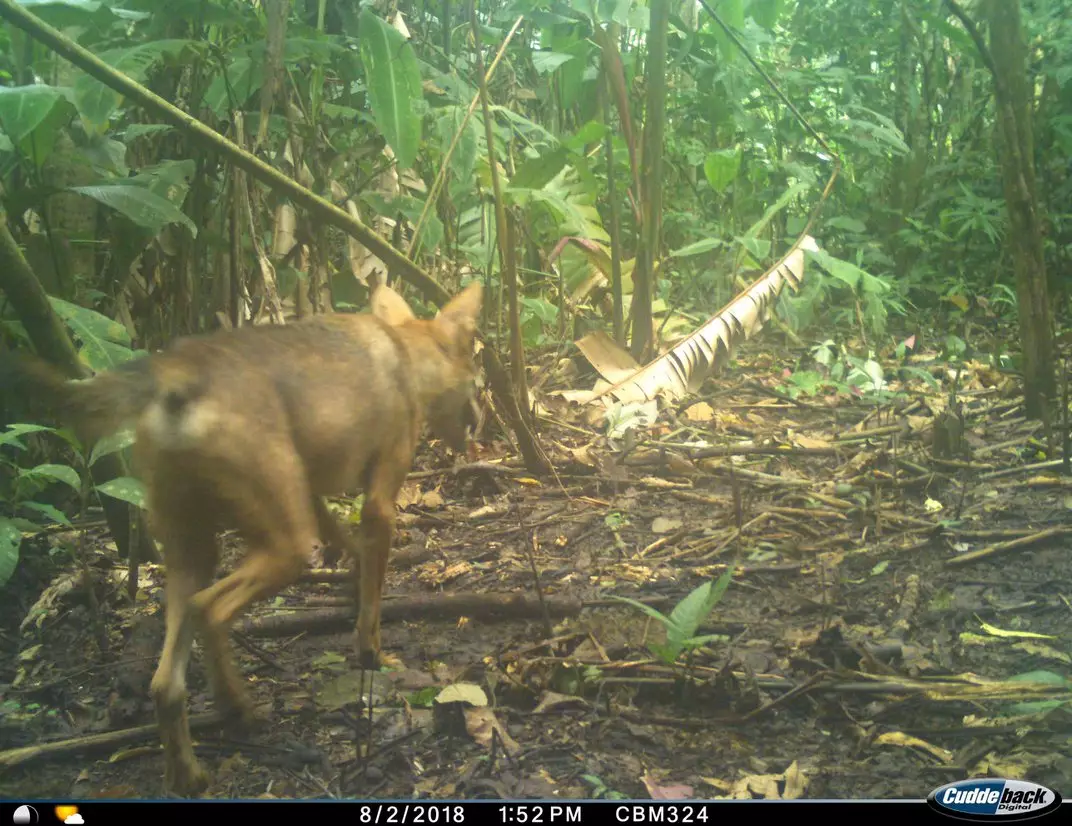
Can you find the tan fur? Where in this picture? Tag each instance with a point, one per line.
(248, 430)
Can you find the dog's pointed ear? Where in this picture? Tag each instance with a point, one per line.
(389, 306)
(462, 311)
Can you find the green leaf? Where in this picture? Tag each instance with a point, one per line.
(787, 196)
(528, 129)
(721, 168)
(688, 614)
(48, 510)
(111, 444)
(59, 473)
(847, 224)
(10, 539)
(620, 15)
(25, 525)
(96, 102)
(24, 108)
(572, 75)
(126, 488)
(536, 173)
(1041, 676)
(591, 132)
(394, 85)
(241, 79)
(31, 117)
(732, 14)
(697, 248)
(66, 13)
(146, 209)
(546, 62)
(647, 609)
(95, 331)
(843, 271)
(138, 130)
(465, 151)
(10, 437)
(765, 12)
(666, 653)
(696, 642)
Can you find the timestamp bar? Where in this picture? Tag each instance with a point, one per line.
(428, 812)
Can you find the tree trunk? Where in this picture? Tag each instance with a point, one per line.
(1013, 96)
(654, 117)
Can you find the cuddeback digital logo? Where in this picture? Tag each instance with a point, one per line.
(994, 799)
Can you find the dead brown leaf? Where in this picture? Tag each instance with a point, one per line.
(658, 791)
(700, 412)
(550, 700)
(483, 725)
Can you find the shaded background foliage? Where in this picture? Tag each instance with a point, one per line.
(140, 235)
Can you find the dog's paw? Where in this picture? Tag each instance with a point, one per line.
(186, 778)
(373, 660)
(240, 713)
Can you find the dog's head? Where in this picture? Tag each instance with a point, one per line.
(453, 407)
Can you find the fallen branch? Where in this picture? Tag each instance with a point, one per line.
(400, 560)
(93, 742)
(1011, 545)
(1013, 471)
(485, 607)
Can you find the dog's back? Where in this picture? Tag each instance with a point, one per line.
(233, 411)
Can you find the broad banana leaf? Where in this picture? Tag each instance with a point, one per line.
(683, 369)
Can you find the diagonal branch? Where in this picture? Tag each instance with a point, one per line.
(212, 140)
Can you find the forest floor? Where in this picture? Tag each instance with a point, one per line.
(859, 651)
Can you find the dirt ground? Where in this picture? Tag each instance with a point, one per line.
(851, 659)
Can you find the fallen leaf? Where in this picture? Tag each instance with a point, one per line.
(700, 412)
(994, 631)
(330, 660)
(129, 754)
(410, 494)
(663, 524)
(810, 443)
(552, 699)
(764, 786)
(668, 792)
(899, 738)
(352, 687)
(432, 499)
(489, 510)
(463, 693)
(582, 456)
(796, 783)
(718, 783)
(438, 573)
(483, 725)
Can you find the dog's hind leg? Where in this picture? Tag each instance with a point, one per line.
(190, 554)
(384, 480)
(275, 515)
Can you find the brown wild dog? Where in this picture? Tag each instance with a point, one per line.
(247, 430)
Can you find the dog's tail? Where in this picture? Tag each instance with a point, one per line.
(93, 407)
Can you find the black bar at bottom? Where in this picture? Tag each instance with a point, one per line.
(440, 812)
